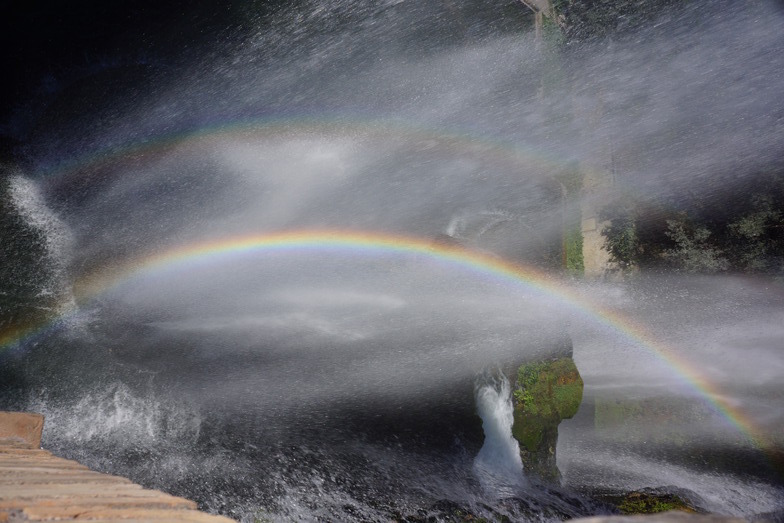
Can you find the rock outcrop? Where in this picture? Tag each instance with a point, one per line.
(664, 517)
(545, 392)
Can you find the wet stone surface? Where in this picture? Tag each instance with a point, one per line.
(35, 485)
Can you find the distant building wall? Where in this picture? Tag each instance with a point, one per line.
(598, 186)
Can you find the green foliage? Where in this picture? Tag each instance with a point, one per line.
(573, 247)
(646, 501)
(621, 239)
(525, 397)
(634, 238)
(528, 374)
(741, 230)
(549, 388)
(601, 18)
(553, 36)
(757, 235)
(693, 252)
(571, 182)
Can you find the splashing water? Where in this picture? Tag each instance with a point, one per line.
(336, 382)
(498, 465)
(29, 203)
(121, 416)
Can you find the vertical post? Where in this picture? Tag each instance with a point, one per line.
(538, 21)
(540, 8)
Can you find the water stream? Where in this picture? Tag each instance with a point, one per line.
(498, 462)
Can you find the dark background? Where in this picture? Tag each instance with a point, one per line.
(48, 45)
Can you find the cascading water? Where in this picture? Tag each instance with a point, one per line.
(498, 463)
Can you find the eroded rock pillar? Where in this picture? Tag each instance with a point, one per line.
(545, 392)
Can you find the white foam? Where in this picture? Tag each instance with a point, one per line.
(498, 465)
(118, 414)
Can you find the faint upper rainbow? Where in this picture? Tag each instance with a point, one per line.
(294, 127)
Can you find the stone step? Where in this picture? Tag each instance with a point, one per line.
(38, 486)
(127, 515)
(20, 476)
(24, 426)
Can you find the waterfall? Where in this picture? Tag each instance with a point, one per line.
(498, 465)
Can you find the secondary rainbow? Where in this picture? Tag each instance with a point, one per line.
(357, 128)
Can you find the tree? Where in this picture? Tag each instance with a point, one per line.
(693, 251)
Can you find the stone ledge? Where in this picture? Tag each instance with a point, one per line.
(38, 486)
(24, 426)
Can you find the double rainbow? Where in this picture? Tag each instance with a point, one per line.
(317, 241)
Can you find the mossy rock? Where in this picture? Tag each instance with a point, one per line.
(546, 392)
(641, 502)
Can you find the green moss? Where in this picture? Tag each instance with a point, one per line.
(571, 181)
(546, 392)
(644, 503)
(645, 507)
(550, 388)
(573, 247)
(529, 434)
(567, 398)
(529, 374)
